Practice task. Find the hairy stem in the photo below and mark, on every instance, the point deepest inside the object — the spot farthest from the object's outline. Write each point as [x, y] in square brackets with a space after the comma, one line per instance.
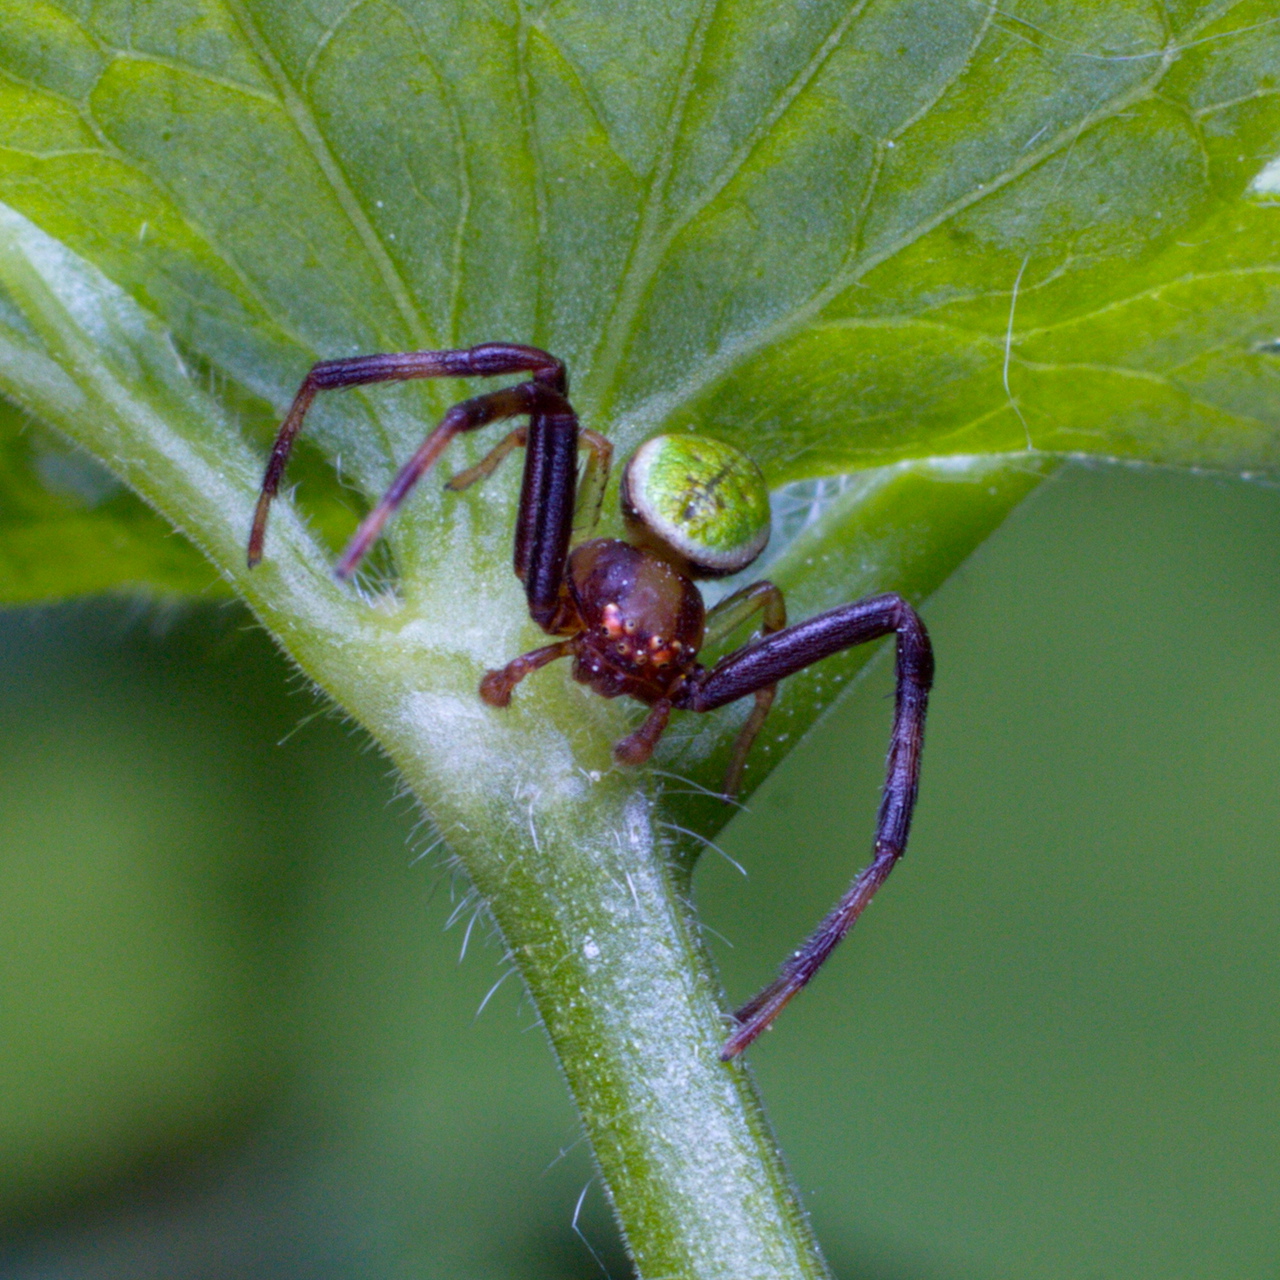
[595, 920]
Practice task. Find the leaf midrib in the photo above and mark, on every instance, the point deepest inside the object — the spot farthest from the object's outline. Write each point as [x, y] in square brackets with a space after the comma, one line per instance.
[420, 333]
[606, 355]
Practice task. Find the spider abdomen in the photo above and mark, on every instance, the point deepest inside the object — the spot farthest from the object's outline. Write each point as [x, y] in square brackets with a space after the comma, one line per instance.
[642, 620]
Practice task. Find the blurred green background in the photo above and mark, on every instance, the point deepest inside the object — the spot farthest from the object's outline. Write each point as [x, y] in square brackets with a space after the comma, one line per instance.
[237, 1041]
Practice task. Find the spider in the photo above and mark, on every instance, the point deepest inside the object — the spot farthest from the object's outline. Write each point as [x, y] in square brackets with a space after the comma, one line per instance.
[629, 613]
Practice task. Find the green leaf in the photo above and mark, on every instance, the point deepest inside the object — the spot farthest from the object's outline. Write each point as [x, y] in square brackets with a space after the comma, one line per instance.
[939, 244]
[805, 232]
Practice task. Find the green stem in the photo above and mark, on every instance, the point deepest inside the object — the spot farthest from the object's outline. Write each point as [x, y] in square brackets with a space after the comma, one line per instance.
[597, 923]
[568, 854]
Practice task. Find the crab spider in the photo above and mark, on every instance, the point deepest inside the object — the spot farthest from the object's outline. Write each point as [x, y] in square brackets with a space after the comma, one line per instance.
[628, 612]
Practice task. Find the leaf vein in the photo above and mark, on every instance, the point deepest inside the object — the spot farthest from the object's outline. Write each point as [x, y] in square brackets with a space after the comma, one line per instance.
[949, 82]
[458, 264]
[308, 129]
[326, 38]
[588, 96]
[1228, 103]
[607, 357]
[1145, 375]
[733, 355]
[536, 160]
[755, 138]
[197, 73]
[1153, 294]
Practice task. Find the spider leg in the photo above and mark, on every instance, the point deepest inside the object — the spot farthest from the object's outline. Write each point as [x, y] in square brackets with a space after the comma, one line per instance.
[759, 597]
[490, 359]
[497, 686]
[637, 747]
[525, 397]
[591, 486]
[491, 461]
[595, 479]
[770, 660]
[544, 521]
[742, 744]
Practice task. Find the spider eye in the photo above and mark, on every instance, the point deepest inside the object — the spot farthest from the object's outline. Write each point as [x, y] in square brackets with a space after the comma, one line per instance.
[699, 498]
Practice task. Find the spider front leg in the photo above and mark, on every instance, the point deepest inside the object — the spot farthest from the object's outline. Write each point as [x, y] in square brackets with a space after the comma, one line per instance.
[772, 659]
[547, 496]
[549, 511]
[552, 418]
[490, 359]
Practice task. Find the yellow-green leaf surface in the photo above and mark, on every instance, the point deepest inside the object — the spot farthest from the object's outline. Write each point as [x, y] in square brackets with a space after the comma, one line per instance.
[69, 527]
[843, 234]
